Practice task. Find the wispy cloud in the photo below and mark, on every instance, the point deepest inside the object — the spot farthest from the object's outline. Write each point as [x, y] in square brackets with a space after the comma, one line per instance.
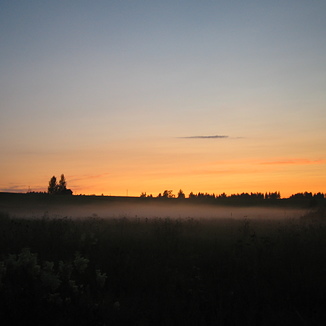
[298, 161]
[77, 178]
[21, 188]
[206, 137]
[85, 182]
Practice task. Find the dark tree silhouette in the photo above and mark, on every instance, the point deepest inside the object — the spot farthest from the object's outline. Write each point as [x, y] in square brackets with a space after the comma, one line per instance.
[53, 186]
[58, 189]
[168, 194]
[192, 195]
[273, 195]
[181, 194]
[62, 186]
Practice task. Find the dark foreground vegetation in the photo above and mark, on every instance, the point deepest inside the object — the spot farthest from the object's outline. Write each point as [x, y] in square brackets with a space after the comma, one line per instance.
[160, 271]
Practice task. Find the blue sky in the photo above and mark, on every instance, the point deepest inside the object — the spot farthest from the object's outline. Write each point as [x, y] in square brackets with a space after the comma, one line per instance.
[111, 84]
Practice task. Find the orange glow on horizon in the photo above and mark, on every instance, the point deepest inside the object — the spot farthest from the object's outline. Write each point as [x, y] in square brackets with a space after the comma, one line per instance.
[130, 168]
[249, 177]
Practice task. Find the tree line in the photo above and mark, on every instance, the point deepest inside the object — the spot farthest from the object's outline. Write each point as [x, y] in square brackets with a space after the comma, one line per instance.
[253, 196]
[60, 188]
[181, 194]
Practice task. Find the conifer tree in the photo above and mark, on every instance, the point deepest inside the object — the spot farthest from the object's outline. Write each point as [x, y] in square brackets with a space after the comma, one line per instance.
[181, 194]
[62, 187]
[53, 186]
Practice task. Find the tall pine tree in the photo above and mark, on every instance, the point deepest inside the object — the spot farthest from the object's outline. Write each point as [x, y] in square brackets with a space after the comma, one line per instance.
[53, 186]
[62, 186]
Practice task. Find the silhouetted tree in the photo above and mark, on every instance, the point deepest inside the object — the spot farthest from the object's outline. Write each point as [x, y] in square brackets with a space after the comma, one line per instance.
[319, 195]
[53, 186]
[58, 189]
[62, 186]
[181, 194]
[273, 195]
[192, 195]
[168, 194]
[308, 198]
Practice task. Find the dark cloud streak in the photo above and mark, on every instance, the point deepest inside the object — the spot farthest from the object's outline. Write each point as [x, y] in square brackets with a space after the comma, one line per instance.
[206, 137]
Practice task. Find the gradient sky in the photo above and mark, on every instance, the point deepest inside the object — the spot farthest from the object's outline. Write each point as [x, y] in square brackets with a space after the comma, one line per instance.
[127, 96]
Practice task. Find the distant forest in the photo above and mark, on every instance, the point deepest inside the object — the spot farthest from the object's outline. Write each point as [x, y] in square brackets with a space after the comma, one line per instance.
[256, 197]
[312, 199]
[306, 199]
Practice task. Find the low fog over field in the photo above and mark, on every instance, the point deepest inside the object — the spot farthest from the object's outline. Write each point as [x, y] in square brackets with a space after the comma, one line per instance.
[151, 210]
[133, 209]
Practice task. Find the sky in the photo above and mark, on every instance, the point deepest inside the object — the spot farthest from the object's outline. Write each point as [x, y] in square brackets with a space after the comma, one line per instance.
[125, 97]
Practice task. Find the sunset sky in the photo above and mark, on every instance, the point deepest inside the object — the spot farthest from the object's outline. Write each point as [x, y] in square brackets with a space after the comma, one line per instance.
[125, 97]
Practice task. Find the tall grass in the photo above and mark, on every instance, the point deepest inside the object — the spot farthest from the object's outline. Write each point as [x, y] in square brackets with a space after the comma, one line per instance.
[161, 271]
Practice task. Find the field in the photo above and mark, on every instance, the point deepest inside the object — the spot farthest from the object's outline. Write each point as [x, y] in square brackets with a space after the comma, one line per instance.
[161, 270]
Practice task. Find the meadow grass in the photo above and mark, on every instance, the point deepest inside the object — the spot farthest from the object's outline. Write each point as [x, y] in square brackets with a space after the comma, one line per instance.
[162, 271]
